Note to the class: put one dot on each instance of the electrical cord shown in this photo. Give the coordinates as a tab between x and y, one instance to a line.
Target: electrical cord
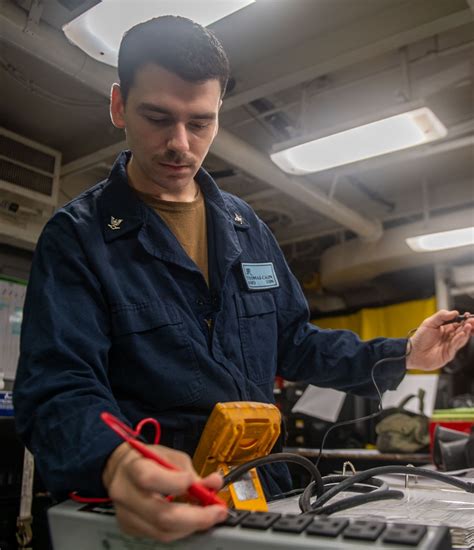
379	395
381	492
372	489
325	488
317	483
352	502
37	89
396	469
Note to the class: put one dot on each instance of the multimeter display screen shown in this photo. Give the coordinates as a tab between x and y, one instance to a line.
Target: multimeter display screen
245	488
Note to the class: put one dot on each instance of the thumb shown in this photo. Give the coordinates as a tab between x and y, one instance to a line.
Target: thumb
213	481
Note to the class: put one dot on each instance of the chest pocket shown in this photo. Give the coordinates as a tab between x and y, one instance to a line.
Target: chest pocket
258	331
131	318
152	359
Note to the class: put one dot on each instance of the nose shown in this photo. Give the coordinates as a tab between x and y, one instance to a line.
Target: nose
178	138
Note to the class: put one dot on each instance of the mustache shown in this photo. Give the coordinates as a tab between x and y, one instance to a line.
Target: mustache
173	157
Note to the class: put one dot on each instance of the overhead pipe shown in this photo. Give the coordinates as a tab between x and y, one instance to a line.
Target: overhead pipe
238	153
51	46
351	262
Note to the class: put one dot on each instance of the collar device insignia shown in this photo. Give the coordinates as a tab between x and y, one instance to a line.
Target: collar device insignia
238	219
114	223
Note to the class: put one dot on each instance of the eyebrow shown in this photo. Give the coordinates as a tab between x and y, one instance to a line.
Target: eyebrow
161	110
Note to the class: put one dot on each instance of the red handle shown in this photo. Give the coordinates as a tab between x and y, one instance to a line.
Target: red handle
196	490
204	495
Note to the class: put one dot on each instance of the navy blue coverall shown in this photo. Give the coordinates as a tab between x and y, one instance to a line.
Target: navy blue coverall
118	318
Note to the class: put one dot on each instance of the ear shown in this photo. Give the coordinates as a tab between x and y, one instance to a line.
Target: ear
216	129
117	107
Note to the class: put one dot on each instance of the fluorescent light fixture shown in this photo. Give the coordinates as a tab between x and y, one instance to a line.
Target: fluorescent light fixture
362	142
442	240
98	31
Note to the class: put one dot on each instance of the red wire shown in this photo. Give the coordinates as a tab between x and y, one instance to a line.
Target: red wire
88	500
127	434
196	490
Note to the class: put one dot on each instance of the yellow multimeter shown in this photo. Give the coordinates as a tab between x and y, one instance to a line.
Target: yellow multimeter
236	433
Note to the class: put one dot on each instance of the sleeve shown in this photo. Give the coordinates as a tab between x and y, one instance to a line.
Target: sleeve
328	358
62	385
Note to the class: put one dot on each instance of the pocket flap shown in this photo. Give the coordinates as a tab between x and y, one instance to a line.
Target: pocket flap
131	318
249	305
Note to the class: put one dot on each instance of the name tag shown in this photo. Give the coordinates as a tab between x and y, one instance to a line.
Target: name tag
259	276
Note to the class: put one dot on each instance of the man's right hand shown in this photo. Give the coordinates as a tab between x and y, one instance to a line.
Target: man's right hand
137	485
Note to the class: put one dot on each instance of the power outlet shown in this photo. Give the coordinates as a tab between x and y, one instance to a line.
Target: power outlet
292	524
260	520
405	534
327	527
364	530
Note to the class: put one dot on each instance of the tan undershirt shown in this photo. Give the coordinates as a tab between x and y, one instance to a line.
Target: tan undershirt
187	221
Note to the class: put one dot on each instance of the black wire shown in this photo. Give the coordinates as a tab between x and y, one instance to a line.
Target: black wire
332	482
358	500
288	494
239	471
382	470
379	395
381	491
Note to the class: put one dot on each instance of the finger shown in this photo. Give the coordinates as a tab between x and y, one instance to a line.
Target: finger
469	322
132	490
178	459
440	317
129	498
149	476
170	521
134	525
161	530
463	329
213	481
458	341
450	329
183	519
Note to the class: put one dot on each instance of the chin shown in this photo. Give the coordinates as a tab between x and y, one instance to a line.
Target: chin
171	182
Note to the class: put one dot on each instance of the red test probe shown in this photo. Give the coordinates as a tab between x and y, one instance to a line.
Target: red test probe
195	490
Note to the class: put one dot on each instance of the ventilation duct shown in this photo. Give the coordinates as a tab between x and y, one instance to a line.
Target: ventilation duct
29	172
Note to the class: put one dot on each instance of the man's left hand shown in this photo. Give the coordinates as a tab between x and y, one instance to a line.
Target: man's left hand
434	344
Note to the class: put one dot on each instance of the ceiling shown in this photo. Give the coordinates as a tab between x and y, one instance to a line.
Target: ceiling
298	67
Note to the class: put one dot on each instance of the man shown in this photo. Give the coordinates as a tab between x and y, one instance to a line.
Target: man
154	294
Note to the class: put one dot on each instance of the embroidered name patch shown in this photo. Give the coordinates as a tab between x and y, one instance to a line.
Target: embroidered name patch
258	276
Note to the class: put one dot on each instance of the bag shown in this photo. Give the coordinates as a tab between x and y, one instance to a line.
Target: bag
402	431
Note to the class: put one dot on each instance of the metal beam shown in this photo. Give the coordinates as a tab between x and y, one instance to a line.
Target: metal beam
423	87
350	263
50	46
350	57
240	154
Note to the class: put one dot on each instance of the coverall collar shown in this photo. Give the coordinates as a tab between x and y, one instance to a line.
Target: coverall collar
122	212
121	209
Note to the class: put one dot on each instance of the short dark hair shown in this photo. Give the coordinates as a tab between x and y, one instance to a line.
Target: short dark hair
177	44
